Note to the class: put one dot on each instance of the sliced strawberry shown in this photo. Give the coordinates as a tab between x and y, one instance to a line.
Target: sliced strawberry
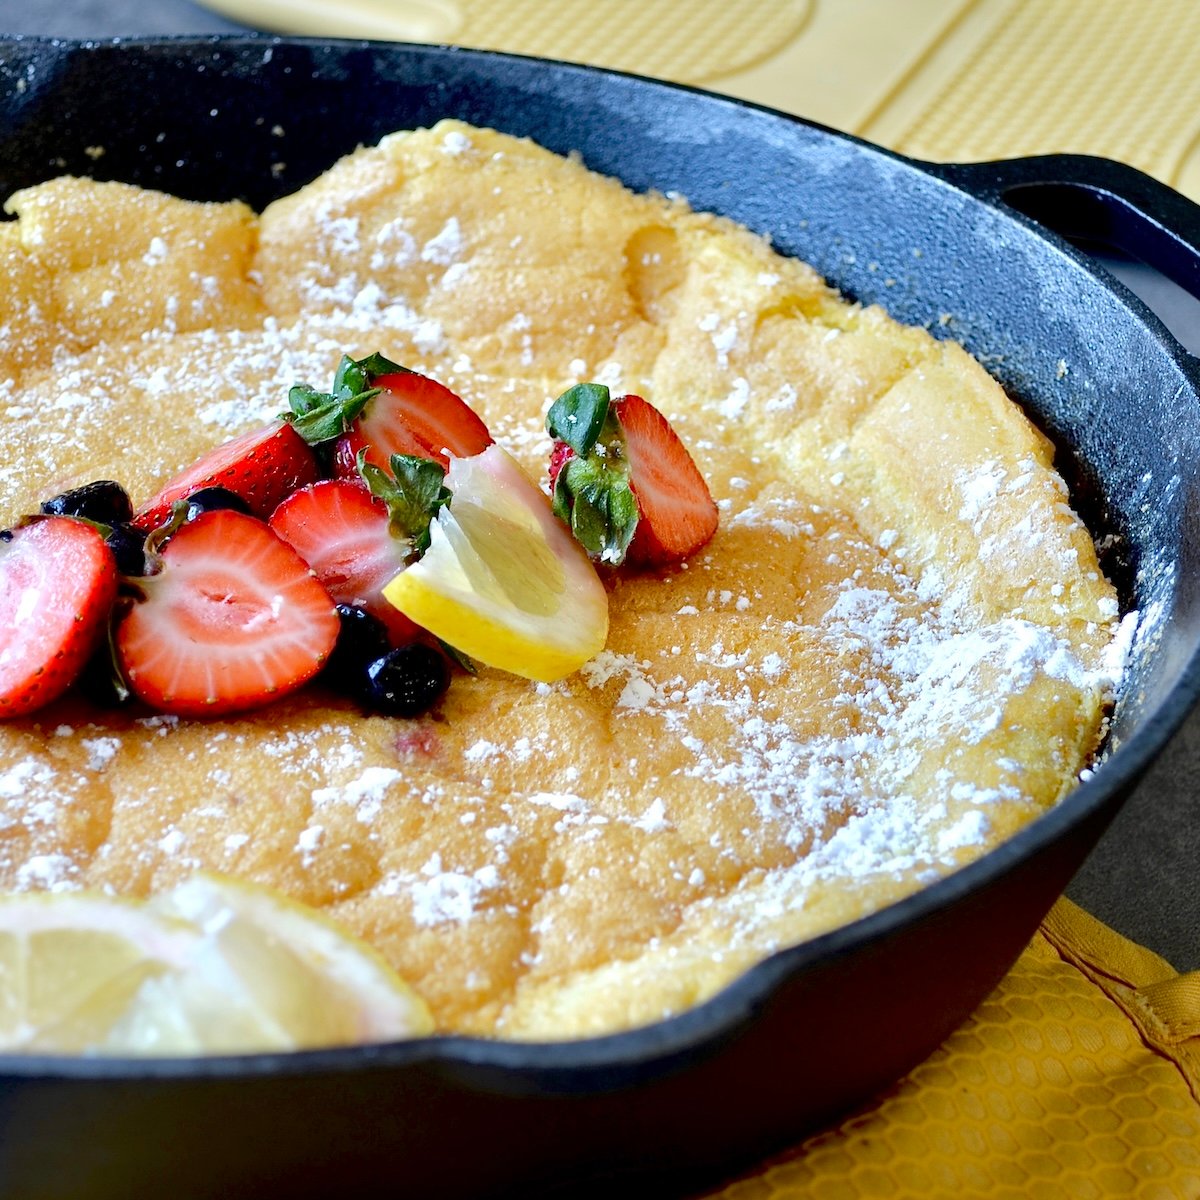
233	620
262	467
58	582
677	512
623	480
411	414
344	534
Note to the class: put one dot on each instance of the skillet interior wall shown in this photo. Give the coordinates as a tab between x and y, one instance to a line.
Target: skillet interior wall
239	121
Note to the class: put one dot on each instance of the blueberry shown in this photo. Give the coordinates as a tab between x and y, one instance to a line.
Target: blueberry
404	681
407	681
210	499
361	640
102	501
128	544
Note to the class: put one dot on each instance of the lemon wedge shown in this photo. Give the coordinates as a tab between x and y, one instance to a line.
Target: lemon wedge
503	580
214	966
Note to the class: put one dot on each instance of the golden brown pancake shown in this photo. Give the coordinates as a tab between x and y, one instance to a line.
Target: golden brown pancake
897	650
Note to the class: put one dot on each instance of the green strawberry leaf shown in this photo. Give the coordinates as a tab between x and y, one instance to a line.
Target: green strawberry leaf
578	416
414	491
594	497
322	416
375	365
457	657
592	492
303	399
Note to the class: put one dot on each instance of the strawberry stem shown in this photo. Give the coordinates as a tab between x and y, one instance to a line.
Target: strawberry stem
161	534
116	678
592	493
413	492
322	416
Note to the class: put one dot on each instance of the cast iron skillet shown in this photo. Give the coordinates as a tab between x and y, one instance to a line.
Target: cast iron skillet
817	1028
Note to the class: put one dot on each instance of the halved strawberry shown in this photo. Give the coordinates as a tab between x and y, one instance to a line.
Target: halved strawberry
233	619
678	515
58	582
262	466
411	414
344	534
623	480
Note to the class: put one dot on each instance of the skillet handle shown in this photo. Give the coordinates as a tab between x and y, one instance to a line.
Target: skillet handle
1081	196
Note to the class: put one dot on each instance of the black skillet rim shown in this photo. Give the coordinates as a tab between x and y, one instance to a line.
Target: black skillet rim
651	1049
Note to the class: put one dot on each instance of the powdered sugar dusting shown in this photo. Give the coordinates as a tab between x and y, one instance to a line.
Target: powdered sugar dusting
440	896
365	795
919	677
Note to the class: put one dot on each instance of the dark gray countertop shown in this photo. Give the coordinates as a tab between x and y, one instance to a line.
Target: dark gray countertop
1142	877
110	18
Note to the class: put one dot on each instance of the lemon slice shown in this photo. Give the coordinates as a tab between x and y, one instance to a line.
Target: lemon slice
271	972
503	580
212	967
71	965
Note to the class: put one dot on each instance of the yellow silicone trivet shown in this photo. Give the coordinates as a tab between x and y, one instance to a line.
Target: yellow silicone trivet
1078	1077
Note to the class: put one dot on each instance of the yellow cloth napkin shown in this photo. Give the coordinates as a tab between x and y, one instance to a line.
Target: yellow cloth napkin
1078	1077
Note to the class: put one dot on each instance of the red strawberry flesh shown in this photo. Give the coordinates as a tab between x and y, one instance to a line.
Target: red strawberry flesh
58	582
411	415
677	513
560	455
234	620
342	532
262	466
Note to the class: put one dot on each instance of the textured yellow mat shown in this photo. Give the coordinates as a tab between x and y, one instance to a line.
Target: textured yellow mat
1079	1077
937	79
